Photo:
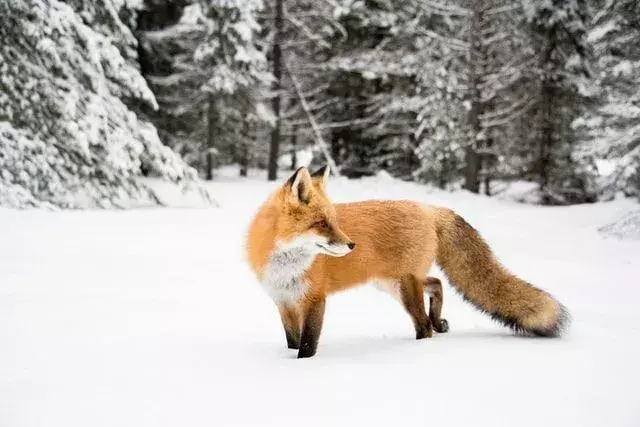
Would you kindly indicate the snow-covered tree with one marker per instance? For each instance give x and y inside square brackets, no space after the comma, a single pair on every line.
[496,68]
[445,83]
[236,70]
[211,87]
[563,89]
[611,127]
[373,69]
[471,60]
[297,35]
[68,75]
[169,34]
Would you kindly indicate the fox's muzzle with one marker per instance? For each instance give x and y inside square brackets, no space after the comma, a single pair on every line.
[337,249]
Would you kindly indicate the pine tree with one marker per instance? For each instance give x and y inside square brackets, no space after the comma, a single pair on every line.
[611,127]
[481,60]
[278,68]
[559,35]
[236,69]
[68,138]
[298,36]
[169,35]
[211,86]
[372,71]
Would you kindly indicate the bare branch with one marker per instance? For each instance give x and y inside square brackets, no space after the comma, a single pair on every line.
[316,130]
[500,118]
[307,31]
[336,125]
[445,9]
[318,105]
[449,41]
[503,9]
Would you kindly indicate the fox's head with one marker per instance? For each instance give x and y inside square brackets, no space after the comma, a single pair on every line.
[308,218]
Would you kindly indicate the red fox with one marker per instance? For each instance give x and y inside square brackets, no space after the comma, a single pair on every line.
[303,248]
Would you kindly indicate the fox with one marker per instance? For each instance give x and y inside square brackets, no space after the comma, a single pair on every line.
[303,248]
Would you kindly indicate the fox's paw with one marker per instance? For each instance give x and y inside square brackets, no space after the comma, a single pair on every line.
[442,327]
[306,352]
[424,331]
[293,340]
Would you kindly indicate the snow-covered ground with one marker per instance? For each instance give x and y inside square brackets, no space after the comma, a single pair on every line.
[151,318]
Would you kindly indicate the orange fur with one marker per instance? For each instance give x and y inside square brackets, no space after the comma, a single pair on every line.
[397,241]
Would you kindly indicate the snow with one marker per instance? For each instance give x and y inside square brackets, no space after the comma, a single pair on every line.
[66,126]
[303,158]
[600,31]
[150,317]
[627,226]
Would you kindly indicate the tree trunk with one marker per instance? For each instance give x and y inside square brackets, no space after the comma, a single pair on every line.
[443,176]
[546,141]
[244,162]
[211,132]
[472,158]
[472,169]
[244,151]
[487,164]
[294,148]
[487,185]
[547,136]
[336,138]
[274,146]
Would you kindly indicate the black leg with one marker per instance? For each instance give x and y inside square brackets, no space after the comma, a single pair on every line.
[433,286]
[412,296]
[291,322]
[313,317]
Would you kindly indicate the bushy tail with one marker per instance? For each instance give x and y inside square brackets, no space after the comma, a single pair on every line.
[473,270]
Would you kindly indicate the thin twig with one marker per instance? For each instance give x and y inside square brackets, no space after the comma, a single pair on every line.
[312,121]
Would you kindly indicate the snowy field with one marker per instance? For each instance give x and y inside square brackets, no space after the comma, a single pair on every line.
[151,318]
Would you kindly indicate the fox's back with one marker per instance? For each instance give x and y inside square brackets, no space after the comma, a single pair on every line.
[393,238]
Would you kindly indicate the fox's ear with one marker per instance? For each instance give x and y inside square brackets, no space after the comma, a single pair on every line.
[321,176]
[300,185]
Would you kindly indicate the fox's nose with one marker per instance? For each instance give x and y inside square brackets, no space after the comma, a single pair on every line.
[351,245]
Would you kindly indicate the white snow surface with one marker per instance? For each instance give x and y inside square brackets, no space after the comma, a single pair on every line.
[151,317]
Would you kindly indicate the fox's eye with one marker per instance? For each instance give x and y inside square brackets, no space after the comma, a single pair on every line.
[320,224]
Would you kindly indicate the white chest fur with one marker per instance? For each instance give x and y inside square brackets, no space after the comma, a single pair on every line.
[282,278]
